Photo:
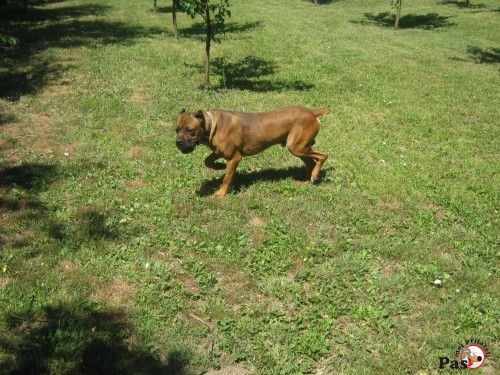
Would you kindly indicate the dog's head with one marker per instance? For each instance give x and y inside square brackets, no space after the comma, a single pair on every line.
[190,130]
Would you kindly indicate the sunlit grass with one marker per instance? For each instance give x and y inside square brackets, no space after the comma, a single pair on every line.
[114,257]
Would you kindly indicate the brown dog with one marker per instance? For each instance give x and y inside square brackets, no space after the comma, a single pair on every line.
[232,135]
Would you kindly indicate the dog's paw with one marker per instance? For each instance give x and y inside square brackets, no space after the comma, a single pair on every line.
[218,194]
[315,181]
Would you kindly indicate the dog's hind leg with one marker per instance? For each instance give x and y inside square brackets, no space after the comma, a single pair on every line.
[320,158]
[314,159]
[299,143]
[310,164]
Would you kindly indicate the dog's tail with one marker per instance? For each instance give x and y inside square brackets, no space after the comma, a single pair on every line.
[320,111]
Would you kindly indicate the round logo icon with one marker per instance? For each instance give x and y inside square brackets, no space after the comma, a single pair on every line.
[474,355]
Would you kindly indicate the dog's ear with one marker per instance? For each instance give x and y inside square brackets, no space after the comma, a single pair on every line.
[199,115]
[183,110]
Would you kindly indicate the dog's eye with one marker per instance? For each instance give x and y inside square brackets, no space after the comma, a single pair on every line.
[190,130]
[177,129]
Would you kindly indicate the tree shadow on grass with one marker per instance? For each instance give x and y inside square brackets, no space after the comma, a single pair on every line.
[198,29]
[27,176]
[41,13]
[484,56]
[254,74]
[78,338]
[463,4]
[427,21]
[20,204]
[243,180]
[164,9]
[27,79]
[6,117]
[19,188]
[77,33]
[94,224]
[25,73]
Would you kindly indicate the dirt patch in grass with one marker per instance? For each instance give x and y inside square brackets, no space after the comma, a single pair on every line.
[140,96]
[439,212]
[14,134]
[391,204]
[229,370]
[69,267]
[136,152]
[68,150]
[41,132]
[239,291]
[3,282]
[277,291]
[135,184]
[256,221]
[189,282]
[117,293]
[257,237]
[35,132]
[236,287]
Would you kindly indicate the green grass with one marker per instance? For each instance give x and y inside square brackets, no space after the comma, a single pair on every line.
[115,259]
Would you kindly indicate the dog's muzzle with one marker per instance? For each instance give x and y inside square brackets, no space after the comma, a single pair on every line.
[185,147]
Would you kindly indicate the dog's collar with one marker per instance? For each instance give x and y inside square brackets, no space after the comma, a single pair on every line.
[211,127]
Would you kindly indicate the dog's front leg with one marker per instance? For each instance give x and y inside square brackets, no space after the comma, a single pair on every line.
[211,159]
[232,164]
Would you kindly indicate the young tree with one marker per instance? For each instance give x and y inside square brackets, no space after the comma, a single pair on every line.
[174,18]
[397,3]
[174,15]
[214,13]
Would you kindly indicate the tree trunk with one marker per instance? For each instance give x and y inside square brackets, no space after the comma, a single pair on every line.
[174,19]
[398,15]
[207,46]
[467,3]
[155,5]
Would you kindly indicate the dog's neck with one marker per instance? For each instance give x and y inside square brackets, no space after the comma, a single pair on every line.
[210,129]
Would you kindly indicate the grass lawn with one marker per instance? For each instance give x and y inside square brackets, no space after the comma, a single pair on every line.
[115,259]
